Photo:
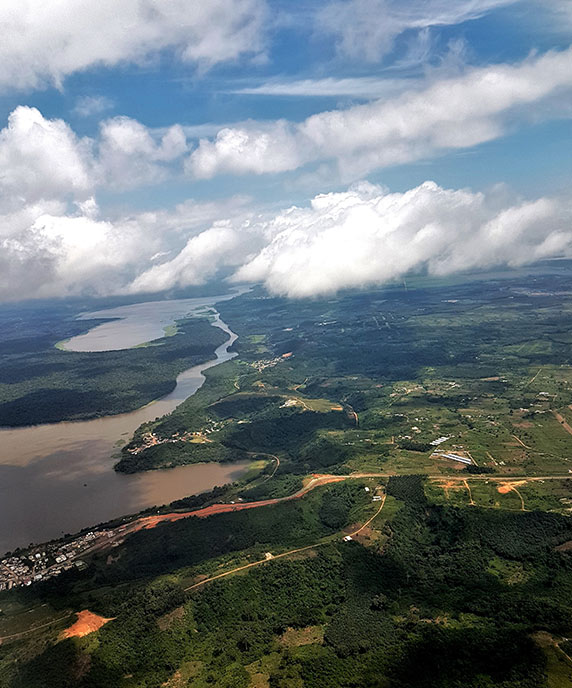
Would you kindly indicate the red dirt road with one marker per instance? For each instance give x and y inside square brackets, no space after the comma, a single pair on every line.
[148,522]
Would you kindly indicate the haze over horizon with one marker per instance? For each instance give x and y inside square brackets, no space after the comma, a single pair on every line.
[147,146]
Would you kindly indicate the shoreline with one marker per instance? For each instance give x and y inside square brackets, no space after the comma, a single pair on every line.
[58,478]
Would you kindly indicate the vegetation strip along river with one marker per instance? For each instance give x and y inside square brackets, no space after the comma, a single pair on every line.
[59,478]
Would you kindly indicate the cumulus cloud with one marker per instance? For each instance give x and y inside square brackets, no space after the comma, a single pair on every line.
[254,149]
[42,158]
[356,238]
[130,155]
[367,29]
[367,236]
[47,250]
[44,43]
[52,240]
[201,258]
[456,112]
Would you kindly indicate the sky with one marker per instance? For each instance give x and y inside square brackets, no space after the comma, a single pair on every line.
[309,145]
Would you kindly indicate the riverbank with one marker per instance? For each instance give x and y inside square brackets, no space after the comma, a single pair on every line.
[59,478]
[53,386]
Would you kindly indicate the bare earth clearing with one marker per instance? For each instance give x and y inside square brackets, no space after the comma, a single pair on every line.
[87,622]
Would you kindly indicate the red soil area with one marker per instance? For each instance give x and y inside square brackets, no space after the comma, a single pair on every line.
[87,622]
[505,488]
[148,522]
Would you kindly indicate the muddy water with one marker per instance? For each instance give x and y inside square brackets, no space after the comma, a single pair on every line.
[59,478]
[135,324]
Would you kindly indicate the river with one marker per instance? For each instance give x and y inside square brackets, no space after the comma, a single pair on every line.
[58,478]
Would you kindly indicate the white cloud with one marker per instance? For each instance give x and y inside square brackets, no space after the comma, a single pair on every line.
[47,251]
[252,149]
[52,239]
[88,106]
[367,236]
[367,87]
[89,207]
[45,42]
[86,253]
[201,258]
[367,29]
[130,155]
[41,159]
[456,112]
[363,236]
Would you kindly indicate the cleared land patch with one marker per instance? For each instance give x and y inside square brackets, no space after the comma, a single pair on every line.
[87,622]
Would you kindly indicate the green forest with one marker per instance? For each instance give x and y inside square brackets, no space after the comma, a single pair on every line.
[433,591]
[40,383]
[464,570]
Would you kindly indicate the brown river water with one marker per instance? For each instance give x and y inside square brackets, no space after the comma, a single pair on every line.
[58,478]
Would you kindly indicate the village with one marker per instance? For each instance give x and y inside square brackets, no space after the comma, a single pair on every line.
[49,560]
[150,439]
[263,363]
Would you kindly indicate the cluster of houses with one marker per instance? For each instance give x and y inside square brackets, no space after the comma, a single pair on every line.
[263,363]
[151,440]
[46,561]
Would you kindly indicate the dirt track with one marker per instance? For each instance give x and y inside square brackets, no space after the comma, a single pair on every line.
[249,566]
[560,418]
[284,554]
[21,634]
[148,522]
[520,442]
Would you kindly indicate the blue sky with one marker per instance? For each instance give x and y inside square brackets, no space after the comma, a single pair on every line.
[149,144]
[168,91]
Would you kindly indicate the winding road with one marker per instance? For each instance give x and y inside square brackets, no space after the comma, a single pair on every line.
[147,522]
[317,480]
[285,554]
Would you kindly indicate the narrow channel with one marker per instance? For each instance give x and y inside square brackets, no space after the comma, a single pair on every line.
[58,478]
